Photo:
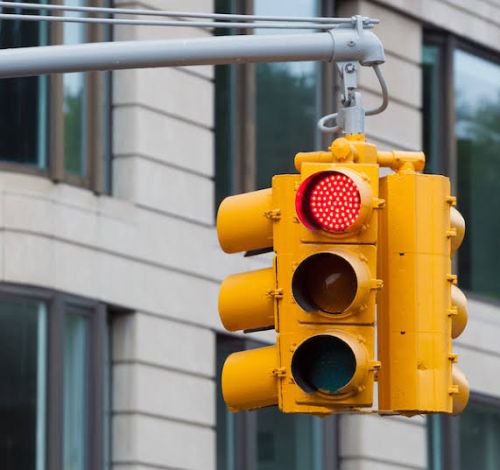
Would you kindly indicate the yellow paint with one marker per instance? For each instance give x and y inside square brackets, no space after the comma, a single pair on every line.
[348,149]
[401,161]
[249,379]
[415,307]
[458,227]
[246,300]
[297,246]
[245,222]
[459,315]
[461,397]
[323,287]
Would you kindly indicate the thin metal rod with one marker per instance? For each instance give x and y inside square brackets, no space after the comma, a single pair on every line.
[180,14]
[184,24]
[339,44]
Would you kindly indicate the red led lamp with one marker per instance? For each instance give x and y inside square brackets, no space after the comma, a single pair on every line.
[331,201]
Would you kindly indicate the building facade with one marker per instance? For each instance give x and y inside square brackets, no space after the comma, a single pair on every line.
[111,346]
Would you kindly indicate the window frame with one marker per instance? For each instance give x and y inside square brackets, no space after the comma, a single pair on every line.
[245,422]
[448,427]
[98,138]
[449,434]
[57,304]
[242,173]
[448,163]
[449,42]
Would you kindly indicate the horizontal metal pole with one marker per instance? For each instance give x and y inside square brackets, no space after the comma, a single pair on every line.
[340,44]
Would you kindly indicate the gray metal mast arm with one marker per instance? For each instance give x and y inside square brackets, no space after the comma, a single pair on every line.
[339,44]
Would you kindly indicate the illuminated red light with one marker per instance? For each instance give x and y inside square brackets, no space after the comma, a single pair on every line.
[329,201]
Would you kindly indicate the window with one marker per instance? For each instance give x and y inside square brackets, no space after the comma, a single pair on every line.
[477,115]
[23,361]
[266,113]
[479,429]
[53,392]
[469,440]
[433,126]
[287,102]
[461,137]
[55,126]
[24,101]
[461,95]
[267,439]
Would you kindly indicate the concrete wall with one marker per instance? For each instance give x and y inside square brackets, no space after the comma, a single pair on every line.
[151,247]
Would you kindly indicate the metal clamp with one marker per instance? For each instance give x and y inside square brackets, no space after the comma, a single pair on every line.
[351,117]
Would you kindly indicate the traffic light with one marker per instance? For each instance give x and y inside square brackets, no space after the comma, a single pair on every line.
[247,300]
[340,234]
[420,309]
[320,293]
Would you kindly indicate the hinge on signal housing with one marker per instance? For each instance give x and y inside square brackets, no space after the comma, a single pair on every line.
[279,372]
[273,214]
[276,293]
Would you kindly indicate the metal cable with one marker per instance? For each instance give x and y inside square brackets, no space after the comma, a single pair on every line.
[199,24]
[385,93]
[178,14]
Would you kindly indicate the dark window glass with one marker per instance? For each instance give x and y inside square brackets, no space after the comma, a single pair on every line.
[75,380]
[477,131]
[264,439]
[23,384]
[287,101]
[264,113]
[23,101]
[286,117]
[226,117]
[288,441]
[479,437]
[432,70]
[75,101]
[227,441]
[63,120]
[54,392]
[435,442]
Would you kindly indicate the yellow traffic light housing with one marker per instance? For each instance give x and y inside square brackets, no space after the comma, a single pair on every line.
[338,237]
[247,300]
[244,222]
[248,381]
[420,309]
[320,293]
[328,280]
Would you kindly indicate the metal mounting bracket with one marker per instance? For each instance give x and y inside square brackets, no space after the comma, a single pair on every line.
[350,119]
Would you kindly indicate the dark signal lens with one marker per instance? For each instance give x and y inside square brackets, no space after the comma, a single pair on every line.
[326,282]
[323,363]
[329,201]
